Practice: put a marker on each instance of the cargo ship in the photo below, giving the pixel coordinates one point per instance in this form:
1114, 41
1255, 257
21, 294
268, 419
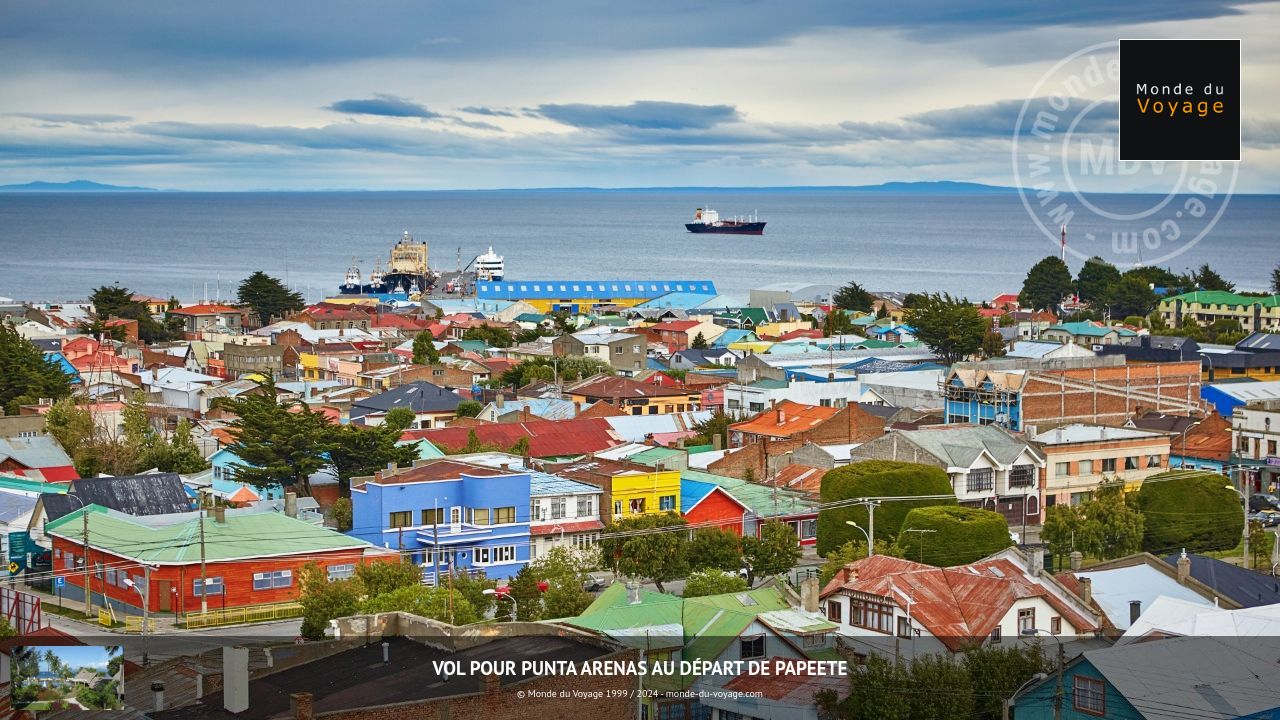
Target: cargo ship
407, 273
708, 221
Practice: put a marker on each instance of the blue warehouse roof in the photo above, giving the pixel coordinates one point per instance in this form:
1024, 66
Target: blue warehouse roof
589, 289
545, 484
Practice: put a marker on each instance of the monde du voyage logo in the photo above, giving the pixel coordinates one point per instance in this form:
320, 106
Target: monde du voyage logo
1180, 100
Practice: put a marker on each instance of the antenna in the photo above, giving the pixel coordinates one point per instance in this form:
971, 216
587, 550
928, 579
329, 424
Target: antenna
1064, 243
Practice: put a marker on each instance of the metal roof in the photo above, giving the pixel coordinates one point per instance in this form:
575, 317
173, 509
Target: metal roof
1115, 588
634, 428
589, 289
40, 451
1078, 433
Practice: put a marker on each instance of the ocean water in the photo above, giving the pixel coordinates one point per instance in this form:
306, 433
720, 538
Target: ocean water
61, 246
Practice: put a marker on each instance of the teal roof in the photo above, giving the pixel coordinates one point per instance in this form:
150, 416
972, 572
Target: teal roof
426, 450
1222, 297
478, 346
760, 499
242, 536
654, 455
1088, 329
17, 483
530, 317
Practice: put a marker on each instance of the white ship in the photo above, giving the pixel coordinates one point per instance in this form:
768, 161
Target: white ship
489, 266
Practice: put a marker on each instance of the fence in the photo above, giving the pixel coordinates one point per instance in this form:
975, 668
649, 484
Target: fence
236, 616
21, 610
133, 623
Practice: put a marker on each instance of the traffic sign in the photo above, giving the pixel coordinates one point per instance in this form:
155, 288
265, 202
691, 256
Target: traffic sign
60, 581
14, 568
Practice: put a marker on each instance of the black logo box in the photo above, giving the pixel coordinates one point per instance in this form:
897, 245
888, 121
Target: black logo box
1205, 73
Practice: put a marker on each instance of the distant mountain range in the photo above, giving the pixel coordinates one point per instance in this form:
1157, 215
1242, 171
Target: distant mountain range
72, 186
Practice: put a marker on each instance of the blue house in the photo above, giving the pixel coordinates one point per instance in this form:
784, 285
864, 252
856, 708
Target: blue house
447, 515
225, 466
1188, 677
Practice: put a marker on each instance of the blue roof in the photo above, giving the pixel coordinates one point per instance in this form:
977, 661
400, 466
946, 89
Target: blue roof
733, 335
693, 491
541, 483
678, 300
589, 289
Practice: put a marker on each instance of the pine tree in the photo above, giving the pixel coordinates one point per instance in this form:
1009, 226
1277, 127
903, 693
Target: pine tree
268, 297
1048, 283
26, 375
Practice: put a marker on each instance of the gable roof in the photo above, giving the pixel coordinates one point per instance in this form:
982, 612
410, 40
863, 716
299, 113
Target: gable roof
960, 445
615, 386
421, 397
206, 309
795, 418
39, 452
1247, 588
151, 494
693, 492
547, 438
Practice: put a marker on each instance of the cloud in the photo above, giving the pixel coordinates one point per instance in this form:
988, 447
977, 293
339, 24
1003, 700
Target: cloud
384, 106
73, 118
642, 114
491, 112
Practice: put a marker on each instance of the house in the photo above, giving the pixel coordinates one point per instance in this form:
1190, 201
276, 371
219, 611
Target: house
786, 427
1044, 349
1168, 617
623, 351
788, 692
198, 318
663, 429
764, 503
679, 335
524, 409
1122, 589
1205, 307
239, 568
892, 606
36, 456
1079, 458
1246, 588
136, 495
450, 516
273, 360
707, 505
224, 467
1255, 435
690, 359
627, 489
545, 438
632, 397
989, 468
1189, 677
735, 335
1087, 334
752, 625
87, 678
1196, 442
432, 405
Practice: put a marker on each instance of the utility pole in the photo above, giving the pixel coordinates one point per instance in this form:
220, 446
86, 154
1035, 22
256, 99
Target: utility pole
435, 550
88, 589
204, 581
871, 506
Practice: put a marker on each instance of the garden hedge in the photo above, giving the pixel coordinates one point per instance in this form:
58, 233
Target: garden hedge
876, 478
960, 535
1192, 510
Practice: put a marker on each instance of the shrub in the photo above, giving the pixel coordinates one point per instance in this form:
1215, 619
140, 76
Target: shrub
961, 535
713, 582
876, 478
1192, 510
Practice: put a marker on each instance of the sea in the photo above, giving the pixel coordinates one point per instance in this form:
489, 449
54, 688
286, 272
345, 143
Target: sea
59, 246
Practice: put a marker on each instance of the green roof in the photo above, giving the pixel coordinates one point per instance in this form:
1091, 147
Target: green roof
426, 449
17, 483
760, 499
249, 535
530, 317
757, 316
1088, 329
654, 455
693, 449
478, 346
1222, 297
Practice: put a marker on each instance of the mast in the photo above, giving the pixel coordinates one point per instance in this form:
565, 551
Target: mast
1064, 243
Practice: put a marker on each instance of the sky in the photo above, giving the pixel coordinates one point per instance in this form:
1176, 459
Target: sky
77, 656
421, 94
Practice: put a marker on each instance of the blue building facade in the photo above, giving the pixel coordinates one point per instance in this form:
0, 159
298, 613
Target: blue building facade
448, 515
226, 465
984, 405
1086, 695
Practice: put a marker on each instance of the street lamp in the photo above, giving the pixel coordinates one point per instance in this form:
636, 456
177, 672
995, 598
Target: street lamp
870, 550
1057, 694
143, 593
507, 595
1244, 502
1006, 704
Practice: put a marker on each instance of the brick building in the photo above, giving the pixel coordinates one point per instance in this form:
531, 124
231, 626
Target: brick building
786, 427
1079, 458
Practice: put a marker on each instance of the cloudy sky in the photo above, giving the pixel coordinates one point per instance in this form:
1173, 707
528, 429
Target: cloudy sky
414, 94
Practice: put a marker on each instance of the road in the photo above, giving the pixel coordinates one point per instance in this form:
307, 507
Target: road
173, 643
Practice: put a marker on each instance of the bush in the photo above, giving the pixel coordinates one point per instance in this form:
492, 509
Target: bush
961, 535
876, 478
713, 582
1192, 510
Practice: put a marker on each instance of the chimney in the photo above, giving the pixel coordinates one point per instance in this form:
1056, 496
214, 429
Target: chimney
1184, 568
500, 401
633, 592
809, 594
525, 415
301, 706
157, 691
386, 653
717, 442
392, 467
782, 415
235, 679
1135, 611
1077, 560
505, 465
1036, 563
220, 515
1086, 590
291, 504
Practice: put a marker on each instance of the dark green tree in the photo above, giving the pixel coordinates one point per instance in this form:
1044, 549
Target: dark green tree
1047, 283
436, 603
837, 322
469, 408
26, 375
1192, 510
380, 578
712, 582
1131, 296
341, 513
853, 297
358, 450
1275, 280
699, 342
955, 535
563, 571
113, 301
424, 349
267, 297
775, 551
716, 549
491, 335
993, 345
658, 555
1106, 526
1206, 278
323, 600
1095, 281
281, 442
715, 426
952, 328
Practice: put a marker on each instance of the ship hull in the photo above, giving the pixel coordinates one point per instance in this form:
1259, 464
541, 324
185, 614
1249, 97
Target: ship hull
727, 228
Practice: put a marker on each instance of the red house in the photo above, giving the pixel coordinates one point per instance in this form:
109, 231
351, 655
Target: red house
251, 558
706, 504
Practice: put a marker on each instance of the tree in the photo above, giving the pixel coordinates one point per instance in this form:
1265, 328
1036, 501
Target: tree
1047, 283
1105, 526
959, 535
268, 297
715, 549
1275, 280
1192, 510
399, 419
564, 570
1096, 279
358, 450
715, 426
699, 342
853, 297
491, 335
993, 345
426, 601
26, 375
281, 443
469, 408
952, 328
322, 600
713, 582
341, 513
837, 322
1131, 296
424, 349
774, 552
184, 455
113, 301
73, 427
472, 587
658, 555
1207, 279
380, 578
569, 368
1260, 543
870, 479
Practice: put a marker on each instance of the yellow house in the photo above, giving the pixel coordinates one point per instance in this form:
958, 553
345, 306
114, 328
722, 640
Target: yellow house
629, 490
778, 329
309, 365
1254, 313
755, 346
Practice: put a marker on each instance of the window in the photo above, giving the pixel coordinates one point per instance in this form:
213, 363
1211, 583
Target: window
536, 512
1153, 461
637, 506
1089, 695
1026, 620
1055, 625
835, 613
1062, 469
269, 580
434, 516
479, 516
980, 480
212, 586
69, 561
618, 350
904, 627
814, 640
871, 615
585, 506
401, 519
996, 636
494, 555
341, 572
1022, 476
667, 502
557, 508
504, 515
617, 507
1086, 467
1131, 462
1109, 465
752, 647
808, 529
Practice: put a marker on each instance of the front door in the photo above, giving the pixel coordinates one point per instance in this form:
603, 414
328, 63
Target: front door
165, 589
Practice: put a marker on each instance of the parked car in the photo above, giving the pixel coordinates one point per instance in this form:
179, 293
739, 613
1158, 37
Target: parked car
593, 584
1263, 501
1268, 518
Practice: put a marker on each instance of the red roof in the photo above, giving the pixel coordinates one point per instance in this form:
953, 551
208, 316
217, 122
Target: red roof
584, 526
547, 438
612, 386
676, 325
392, 320
955, 604
337, 311
443, 469
801, 333
209, 309
804, 478
786, 419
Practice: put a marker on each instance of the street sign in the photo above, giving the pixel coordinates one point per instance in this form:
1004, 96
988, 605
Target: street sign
1273, 460
18, 545
14, 568
60, 581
